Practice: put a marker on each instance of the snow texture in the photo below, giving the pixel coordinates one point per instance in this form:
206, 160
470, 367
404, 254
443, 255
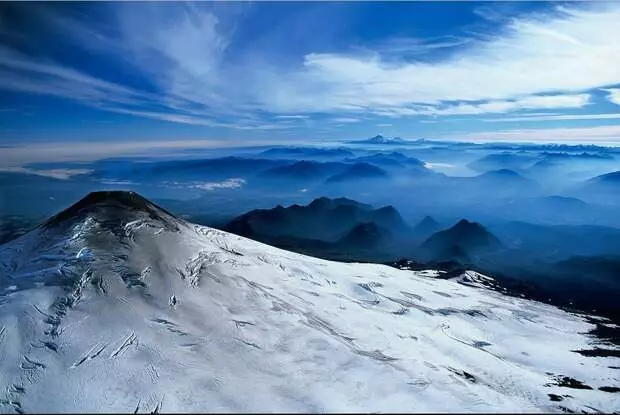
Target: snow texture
144, 312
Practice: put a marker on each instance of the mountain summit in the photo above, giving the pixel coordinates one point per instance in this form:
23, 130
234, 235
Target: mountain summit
461, 241
114, 203
117, 306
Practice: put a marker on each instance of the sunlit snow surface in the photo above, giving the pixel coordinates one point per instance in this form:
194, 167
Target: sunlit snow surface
159, 314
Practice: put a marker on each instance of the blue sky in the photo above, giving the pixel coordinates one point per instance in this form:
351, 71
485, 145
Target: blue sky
122, 74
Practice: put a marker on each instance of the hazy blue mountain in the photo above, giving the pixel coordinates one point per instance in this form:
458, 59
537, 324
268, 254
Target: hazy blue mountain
556, 242
358, 171
460, 241
307, 152
426, 227
223, 167
572, 167
303, 171
504, 178
603, 189
392, 160
611, 179
506, 160
559, 210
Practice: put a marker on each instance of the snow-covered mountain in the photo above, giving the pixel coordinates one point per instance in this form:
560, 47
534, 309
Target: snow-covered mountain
379, 139
115, 305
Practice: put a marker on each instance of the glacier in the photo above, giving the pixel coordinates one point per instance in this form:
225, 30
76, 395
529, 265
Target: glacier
115, 305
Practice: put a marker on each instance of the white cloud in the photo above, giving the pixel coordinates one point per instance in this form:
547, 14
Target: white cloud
542, 61
61, 174
572, 51
292, 117
438, 165
555, 117
20, 72
384, 125
346, 120
613, 95
234, 183
17, 156
604, 134
493, 107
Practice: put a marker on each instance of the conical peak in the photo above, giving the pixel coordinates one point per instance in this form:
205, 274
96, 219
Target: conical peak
127, 202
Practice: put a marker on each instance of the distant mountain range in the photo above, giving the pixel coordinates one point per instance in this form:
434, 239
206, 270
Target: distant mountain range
311, 152
379, 139
504, 160
328, 227
324, 219
389, 160
205, 169
304, 171
541, 164
376, 166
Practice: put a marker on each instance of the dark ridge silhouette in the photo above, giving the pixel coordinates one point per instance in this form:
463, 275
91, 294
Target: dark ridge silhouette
461, 240
327, 203
323, 219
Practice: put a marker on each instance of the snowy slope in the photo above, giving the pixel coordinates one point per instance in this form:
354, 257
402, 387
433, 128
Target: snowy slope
117, 306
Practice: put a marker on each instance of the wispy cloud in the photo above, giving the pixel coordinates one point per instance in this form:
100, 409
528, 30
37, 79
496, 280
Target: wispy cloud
613, 95
606, 134
492, 107
403, 47
25, 74
569, 51
234, 183
346, 120
61, 174
18, 156
292, 117
553, 117
545, 61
